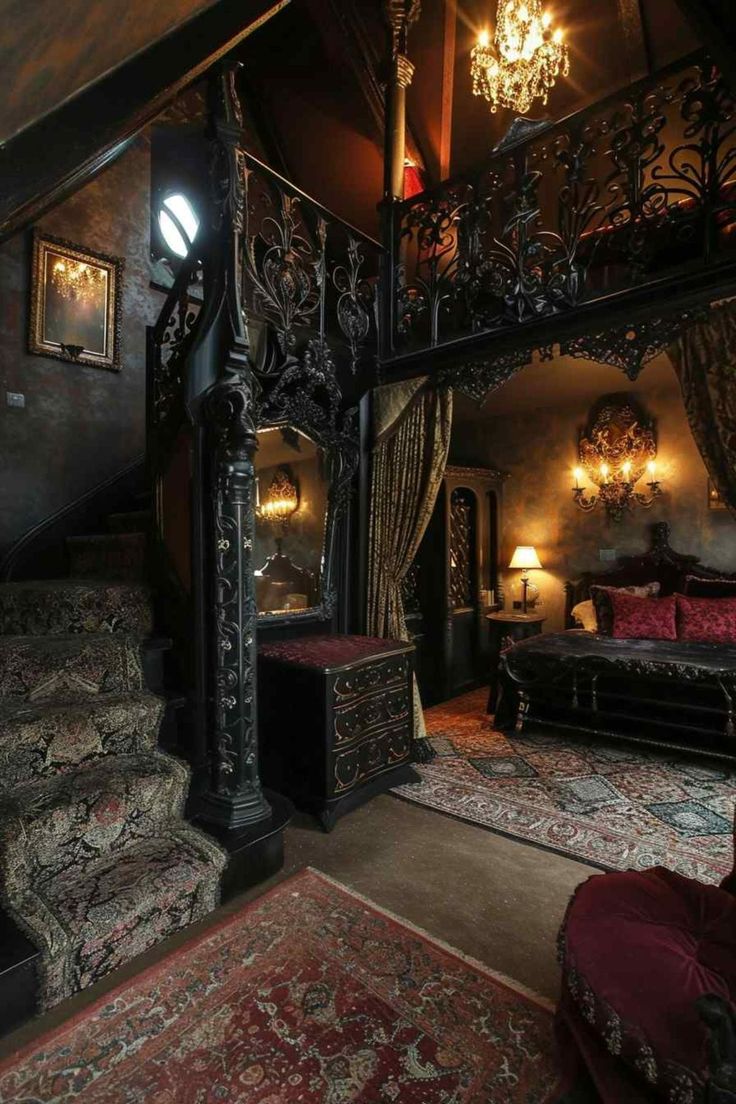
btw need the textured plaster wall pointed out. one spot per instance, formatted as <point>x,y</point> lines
<point>538,447</point>
<point>80,424</point>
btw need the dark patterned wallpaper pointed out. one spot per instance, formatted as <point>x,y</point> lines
<point>539,446</point>
<point>80,425</point>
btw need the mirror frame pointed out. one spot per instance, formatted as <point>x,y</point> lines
<point>305,397</point>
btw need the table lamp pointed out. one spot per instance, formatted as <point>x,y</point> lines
<point>525,557</point>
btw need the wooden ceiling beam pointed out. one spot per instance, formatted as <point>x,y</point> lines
<point>48,161</point>
<point>365,58</point>
<point>713,23</point>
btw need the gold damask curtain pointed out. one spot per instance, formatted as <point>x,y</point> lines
<point>705,362</point>
<point>412,426</point>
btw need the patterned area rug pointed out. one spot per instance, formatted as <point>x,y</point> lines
<point>310,995</point>
<point>609,805</point>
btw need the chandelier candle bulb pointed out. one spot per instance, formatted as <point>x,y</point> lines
<point>527,59</point>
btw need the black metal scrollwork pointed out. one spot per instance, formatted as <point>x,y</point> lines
<point>631,191</point>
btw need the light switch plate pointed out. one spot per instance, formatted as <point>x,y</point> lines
<point>15,398</point>
<point>607,555</point>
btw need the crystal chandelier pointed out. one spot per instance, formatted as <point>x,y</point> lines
<point>78,281</point>
<point>528,57</point>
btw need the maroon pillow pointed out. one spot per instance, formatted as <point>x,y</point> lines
<point>600,596</point>
<point>643,618</point>
<point>711,620</point>
<point>698,586</point>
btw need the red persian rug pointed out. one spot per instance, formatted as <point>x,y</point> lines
<point>309,995</point>
<point>608,804</point>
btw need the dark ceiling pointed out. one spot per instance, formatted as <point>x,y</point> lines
<point>50,50</point>
<point>310,79</point>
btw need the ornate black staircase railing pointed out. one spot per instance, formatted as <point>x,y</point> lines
<point>635,192</point>
<point>309,279</point>
<point>273,320</point>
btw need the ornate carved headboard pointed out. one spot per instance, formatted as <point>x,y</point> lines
<point>661,562</point>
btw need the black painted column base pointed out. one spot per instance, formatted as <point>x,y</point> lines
<point>229,813</point>
<point>257,850</point>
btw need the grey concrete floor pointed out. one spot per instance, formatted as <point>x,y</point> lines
<point>496,899</point>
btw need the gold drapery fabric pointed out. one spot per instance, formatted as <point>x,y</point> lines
<point>705,362</point>
<point>409,461</point>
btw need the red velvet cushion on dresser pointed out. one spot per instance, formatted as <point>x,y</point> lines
<point>638,949</point>
<point>327,652</point>
<point>710,620</point>
<point>637,618</point>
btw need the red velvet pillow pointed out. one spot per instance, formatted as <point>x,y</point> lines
<point>711,620</point>
<point>643,618</point>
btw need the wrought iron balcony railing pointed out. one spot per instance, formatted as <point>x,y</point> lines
<point>629,192</point>
<point>308,278</point>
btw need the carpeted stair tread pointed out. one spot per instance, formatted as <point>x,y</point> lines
<point>63,606</point>
<point>96,860</point>
<point>133,521</point>
<point>104,807</point>
<point>121,904</point>
<point>49,737</point>
<point>37,668</point>
<point>119,556</point>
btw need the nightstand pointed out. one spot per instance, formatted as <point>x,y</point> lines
<point>505,630</point>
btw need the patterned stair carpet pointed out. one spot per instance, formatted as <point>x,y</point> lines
<point>309,995</point>
<point>609,805</point>
<point>96,861</point>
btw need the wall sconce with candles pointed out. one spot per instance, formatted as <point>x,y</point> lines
<point>617,451</point>
<point>280,503</point>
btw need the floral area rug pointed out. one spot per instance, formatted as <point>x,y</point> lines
<point>310,995</point>
<point>609,805</point>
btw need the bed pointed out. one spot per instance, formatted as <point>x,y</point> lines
<point>672,694</point>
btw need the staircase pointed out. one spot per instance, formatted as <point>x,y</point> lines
<point>96,861</point>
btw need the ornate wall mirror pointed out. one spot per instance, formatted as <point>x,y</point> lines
<point>291,521</point>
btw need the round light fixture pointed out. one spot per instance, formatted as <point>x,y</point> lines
<point>178,223</point>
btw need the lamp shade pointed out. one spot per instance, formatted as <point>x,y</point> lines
<point>525,556</point>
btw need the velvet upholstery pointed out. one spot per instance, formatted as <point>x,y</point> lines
<point>602,598</point>
<point>636,618</point>
<point>711,620</point>
<point>327,652</point>
<point>637,950</point>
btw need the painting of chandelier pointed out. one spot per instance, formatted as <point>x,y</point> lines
<point>528,57</point>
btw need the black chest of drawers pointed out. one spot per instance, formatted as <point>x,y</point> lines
<point>335,720</point>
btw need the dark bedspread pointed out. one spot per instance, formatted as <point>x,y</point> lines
<point>679,658</point>
<point>565,655</point>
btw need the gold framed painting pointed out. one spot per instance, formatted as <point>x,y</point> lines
<point>75,303</point>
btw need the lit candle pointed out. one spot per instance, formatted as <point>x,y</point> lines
<point>626,470</point>
<point>546,19</point>
<point>651,468</point>
<point>604,472</point>
<point>578,473</point>
<point>484,40</point>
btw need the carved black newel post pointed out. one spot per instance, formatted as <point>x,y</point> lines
<point>234,798</point>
